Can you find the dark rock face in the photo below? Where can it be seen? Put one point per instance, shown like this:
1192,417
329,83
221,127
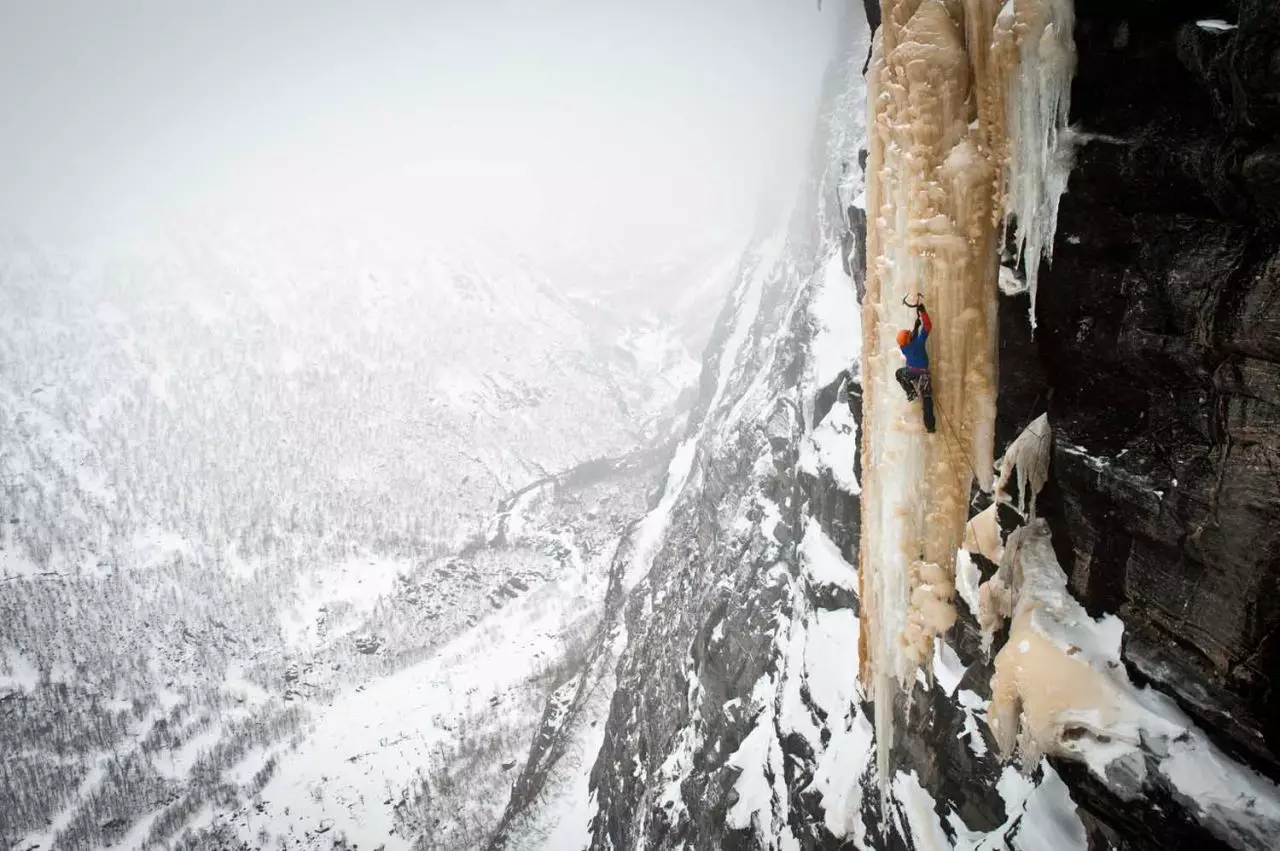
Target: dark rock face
835,510
703,614
701,626
1159,337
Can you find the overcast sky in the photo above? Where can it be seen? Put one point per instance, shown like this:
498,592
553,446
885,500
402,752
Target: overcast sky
658,118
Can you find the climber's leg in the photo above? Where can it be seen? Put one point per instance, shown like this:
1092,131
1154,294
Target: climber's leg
908,385
926,394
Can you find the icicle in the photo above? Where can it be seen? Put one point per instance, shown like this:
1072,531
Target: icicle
1028,457
1040,150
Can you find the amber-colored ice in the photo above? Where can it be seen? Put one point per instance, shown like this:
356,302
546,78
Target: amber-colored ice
1051,685
982,534
948,125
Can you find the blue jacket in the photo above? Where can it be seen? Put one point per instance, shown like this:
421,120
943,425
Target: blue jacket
914,351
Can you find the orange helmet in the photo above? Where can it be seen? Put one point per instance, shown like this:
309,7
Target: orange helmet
904,337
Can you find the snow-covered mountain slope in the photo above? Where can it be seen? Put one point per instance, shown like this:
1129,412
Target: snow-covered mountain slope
422,752
710,573
344,377
235,489
1061,709
394,711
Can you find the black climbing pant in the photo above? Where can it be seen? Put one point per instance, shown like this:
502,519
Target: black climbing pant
915,382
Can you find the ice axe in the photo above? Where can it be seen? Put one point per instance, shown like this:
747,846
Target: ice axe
919,301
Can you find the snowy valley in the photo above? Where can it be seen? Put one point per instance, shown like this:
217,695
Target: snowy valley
234,515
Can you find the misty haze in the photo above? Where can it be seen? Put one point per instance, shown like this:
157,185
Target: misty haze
689,424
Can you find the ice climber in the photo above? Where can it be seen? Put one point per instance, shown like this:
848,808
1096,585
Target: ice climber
914,377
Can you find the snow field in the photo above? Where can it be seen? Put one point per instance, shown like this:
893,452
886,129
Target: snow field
346,590
370,744
837,321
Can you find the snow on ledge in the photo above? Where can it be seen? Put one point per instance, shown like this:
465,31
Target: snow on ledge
833,446
1215,25
948,670
1038,816
1105,466
17,671
1060,688
823,561
968,578
836,319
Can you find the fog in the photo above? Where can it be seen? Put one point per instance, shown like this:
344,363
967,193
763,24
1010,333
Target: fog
606,127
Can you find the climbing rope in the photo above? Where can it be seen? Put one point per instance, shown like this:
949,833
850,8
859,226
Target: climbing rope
959,443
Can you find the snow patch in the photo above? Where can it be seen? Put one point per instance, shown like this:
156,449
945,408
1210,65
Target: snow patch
968,579
822,560
837,320
973,707
831,661
1215,25
948,670
16,565
833,446
922,823
330,598
19,672
240,568
838,775
653,528
243,771
1049,818
761,783
156,546
178,763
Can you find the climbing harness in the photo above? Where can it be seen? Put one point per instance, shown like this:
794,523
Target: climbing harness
923,383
